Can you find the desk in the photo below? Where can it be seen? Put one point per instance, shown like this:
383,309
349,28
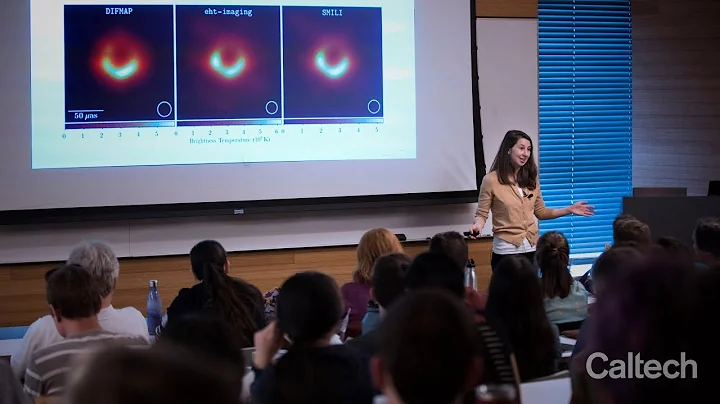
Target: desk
556,391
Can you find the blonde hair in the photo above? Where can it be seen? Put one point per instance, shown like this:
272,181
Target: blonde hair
373,244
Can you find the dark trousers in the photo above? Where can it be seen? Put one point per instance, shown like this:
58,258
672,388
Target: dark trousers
496,258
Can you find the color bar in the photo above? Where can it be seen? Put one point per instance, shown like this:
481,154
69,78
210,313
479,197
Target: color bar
229,122
331,121
113,125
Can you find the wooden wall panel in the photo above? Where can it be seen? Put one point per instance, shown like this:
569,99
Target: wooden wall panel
506,8
676,93
22,293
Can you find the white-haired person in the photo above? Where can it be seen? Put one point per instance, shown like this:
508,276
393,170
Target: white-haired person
101,262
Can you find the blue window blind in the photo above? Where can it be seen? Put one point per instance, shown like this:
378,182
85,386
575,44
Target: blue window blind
585,99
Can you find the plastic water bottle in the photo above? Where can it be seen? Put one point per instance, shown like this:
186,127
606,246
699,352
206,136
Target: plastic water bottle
154,308
470,280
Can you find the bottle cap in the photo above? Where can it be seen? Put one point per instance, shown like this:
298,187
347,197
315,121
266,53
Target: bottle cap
153,284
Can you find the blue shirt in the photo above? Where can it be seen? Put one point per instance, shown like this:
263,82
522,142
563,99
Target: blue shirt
572,308
372,320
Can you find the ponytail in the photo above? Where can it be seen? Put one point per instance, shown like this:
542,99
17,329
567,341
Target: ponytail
232,301
553,257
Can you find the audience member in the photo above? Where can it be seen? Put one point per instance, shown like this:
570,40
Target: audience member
388,280
566,299
703,347
438,271
619,236
515,303
207,335
101,263
74,300
645,311
677,249
356,294
607,269
238,303
706,240
428,350
632,233
313,370
162,375
453,245
616,223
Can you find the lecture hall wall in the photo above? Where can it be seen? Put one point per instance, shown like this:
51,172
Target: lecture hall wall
676,142
676,93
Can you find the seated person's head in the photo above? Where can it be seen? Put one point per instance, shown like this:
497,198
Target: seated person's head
427,350
621,218
159,375
553,258
72,295
609,265
309,308
373,244
676,248
453,245
435,270
706,239
206,334
388,278
632,233
618,220
101,262
646,310
208,255
514,286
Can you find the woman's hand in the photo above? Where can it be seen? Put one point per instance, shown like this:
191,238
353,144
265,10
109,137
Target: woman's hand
267,343
477,227
582,209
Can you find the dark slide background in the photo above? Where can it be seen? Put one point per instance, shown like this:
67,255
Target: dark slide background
146,33
205,94
358,35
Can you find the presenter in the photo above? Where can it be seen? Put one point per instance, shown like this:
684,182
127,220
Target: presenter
511,191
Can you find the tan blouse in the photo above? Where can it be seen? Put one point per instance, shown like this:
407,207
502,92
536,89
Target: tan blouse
513,214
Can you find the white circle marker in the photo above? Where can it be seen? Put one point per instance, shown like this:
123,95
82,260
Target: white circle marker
373,106
169,107
270,105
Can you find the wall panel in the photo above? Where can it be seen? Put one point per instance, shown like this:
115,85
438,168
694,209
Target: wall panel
22,295
676,93
506,8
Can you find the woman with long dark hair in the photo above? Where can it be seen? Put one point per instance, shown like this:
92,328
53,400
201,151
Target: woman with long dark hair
313,370
511,191
234,301
515,303
566,299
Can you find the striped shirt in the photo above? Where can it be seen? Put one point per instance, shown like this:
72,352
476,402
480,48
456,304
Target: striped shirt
46,372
